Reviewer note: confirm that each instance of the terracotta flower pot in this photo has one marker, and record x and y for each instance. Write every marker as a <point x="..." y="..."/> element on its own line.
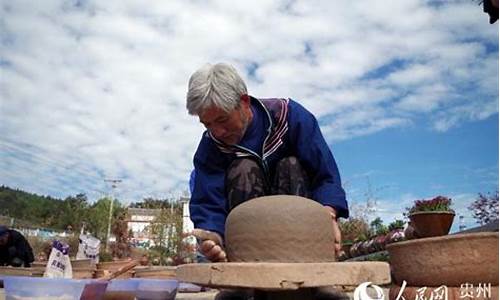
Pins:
<point x="432" y="223"/>
<point x="446" y="260"/>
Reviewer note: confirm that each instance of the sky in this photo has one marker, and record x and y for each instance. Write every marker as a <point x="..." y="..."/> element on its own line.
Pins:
<point x="406" y="92"/>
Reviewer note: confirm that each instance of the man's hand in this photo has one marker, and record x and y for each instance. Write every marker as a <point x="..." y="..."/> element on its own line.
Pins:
<point x="336" y="230"/>
<point x="211" y="245"/>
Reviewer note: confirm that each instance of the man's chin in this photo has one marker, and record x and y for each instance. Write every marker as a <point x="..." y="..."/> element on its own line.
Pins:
<point x="230" y="141"/>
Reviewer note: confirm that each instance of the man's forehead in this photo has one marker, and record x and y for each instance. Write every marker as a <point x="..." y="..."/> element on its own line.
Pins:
<point x="212" y="113"/>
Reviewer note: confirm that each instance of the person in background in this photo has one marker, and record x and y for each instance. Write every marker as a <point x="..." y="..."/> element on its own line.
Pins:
<point x="14" y="249"/>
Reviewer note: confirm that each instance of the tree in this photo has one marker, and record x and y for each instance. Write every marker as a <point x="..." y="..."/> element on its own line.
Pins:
<point x="121" y="248"/>
<point x="353" y="228"/>
<point x="99" y="214"/>
<point x="377" y="227"/>
<point x="485" y="208"/>
<point x="152" y="203"/>
<point x="397" y="224"/>
<point x="166" y="232"/>
<point x="74" y="210"/>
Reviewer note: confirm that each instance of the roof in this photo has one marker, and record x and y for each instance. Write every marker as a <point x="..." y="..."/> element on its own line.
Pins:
<point x="143" y="211"/>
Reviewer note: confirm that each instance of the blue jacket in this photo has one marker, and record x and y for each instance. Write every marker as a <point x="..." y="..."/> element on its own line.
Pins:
<point x="279" y="128"/>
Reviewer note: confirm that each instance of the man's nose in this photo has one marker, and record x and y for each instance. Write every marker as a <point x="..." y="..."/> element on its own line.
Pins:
<point x="218" y="131"/>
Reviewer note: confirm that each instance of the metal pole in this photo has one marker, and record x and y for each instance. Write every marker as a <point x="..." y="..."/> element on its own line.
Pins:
<point x="108" y="232"/>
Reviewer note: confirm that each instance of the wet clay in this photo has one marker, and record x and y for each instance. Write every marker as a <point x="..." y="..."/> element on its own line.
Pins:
<point x="279" y="229"/>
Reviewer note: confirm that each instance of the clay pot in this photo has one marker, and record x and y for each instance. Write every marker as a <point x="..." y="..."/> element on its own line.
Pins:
<point x="454" y="293"/>
<point x="280" y="229"/>
<point x="447" y="260"/>
<point x="431" y="223"/>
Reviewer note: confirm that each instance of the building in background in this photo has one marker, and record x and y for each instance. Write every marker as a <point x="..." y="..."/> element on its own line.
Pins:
<point x="187" y="224"/>
<point x="137" y="224"/>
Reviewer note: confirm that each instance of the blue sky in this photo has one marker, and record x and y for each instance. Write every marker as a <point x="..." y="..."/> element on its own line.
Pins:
<point x="415" y="163"/>
<point x="406" y="92"/>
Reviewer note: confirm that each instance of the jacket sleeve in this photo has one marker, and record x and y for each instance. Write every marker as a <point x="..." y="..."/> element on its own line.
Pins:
<point x="208" y="205"/>
<point x="316" y="158"/>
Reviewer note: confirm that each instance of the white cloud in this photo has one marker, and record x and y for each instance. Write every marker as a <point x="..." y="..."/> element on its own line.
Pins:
<point x="414" y="75"/>
<point x="98" y="87"/>
<point x="476" y="110"/>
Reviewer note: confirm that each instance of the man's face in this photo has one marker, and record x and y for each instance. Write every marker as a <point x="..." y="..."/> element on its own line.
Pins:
<point x="228" y="127"/>
<point x="4" y="238"/>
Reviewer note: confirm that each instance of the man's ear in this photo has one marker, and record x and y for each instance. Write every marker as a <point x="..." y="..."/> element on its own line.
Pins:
<point x="245" y="100"/>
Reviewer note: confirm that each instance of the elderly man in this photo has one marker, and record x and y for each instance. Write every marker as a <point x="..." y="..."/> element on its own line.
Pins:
<point x="14" y="249"/>
<point x="253" y="147"/>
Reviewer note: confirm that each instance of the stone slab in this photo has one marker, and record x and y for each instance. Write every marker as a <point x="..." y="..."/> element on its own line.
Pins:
<point x="284" y="276"/>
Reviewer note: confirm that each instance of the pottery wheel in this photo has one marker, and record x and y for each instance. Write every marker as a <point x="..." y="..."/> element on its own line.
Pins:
<point x="281" y="244"/>
<point x="284" y="276"/>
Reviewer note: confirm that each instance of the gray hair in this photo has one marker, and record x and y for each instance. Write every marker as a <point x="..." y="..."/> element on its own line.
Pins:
<point x="214" y="85"/>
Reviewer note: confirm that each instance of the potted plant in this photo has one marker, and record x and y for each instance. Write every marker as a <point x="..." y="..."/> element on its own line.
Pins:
<point x="432" y="217"/>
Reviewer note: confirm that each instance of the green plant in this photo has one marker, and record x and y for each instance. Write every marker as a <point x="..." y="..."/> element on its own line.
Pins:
<point x="377" y="227"/>
<point x="439" y="203"/>
<point x="353" y="228"/>
<point x="105" y="256"/>
<point x="397" y="224"/>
